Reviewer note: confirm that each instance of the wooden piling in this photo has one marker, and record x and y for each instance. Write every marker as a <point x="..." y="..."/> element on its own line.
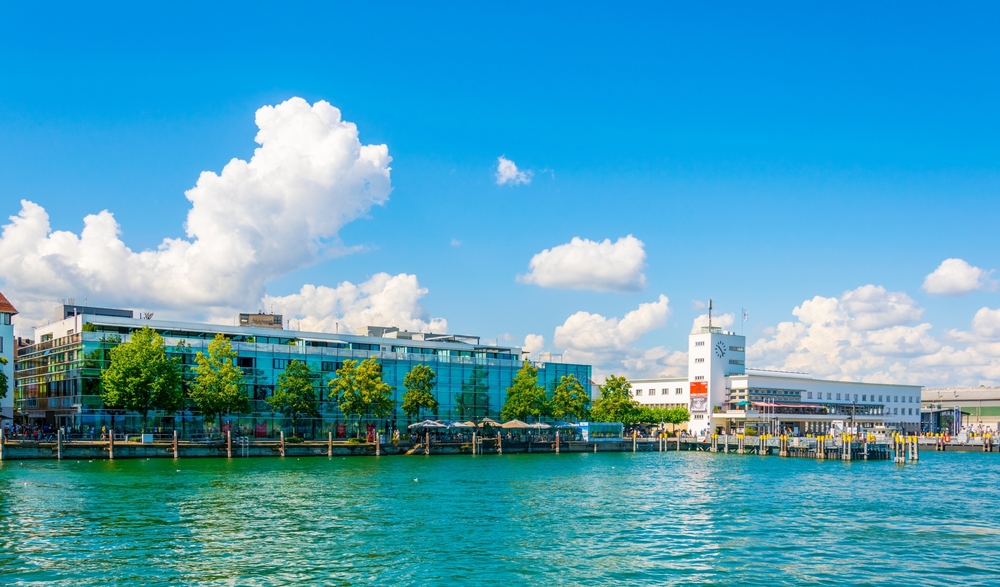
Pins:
<point x="281" y="442"/>
<point x="499" y="444"/>
<point x="378" y="444"/>
<point x="111" y="444"/>
<point x="329" y="443"/>
<point x="229" y="444"/>
<point x="633" y="440"/>
<point x="427" y="442"/>
<point x="3" y="440"/>
<point x="557" y="442"/>
<point x="59" y="441"/>
<point x="175" y="444"/>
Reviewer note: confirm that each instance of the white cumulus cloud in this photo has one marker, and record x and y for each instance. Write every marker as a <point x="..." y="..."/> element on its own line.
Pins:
<point x="383" y="300"/>
<point x="587" y="264"/>
<point x="607" y="343"/>
<point x="509" y="174"/>
<point x="955" y="277"/>
<point x="256" y="220"/>
<point x="533" y="344"/>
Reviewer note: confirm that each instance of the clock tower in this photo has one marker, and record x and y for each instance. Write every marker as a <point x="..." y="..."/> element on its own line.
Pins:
<point x="713" y="354"/>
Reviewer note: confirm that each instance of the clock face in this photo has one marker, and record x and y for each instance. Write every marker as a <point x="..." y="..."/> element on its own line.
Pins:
<point x="720" y="349"/>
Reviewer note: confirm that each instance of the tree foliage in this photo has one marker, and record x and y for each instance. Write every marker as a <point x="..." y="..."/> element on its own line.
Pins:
<point x="570" y="400"/>
<point x="524" y="396"/>
<point x="616" y="403"/>
<point x="419" y="383"/>
<point x="141" y="378"/>
<point x="294" y="395"/>
<point x="3" y="378"/>
<point x="218" y="383"/>
<point x="360" y="391"/>
<point x="649" y="415"/>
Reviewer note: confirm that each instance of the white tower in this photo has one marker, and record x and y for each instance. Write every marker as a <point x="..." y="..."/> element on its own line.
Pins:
<point x="7" y="313"/>
<point x="713" y="354"/>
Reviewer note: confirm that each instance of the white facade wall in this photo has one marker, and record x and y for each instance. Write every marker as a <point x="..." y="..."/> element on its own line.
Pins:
<point x="666" y="392"/>
<point x="7" y="351"/>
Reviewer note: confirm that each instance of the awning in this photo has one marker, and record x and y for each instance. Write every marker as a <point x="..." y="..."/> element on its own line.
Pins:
<point x="515" y="424"/>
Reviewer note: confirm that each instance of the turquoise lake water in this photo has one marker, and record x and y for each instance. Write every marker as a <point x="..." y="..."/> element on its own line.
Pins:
<point x="571" y="519"/>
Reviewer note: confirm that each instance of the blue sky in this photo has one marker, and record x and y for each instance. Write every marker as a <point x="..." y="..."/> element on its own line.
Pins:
<point x="763" y="154"/>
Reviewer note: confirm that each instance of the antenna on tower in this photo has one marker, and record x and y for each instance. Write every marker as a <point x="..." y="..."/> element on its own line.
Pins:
<point x="710" y="315"/>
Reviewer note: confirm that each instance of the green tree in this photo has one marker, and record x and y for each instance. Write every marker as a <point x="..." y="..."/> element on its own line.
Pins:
<point x="524" y="396"/>
<point x="419" y="383"/>
<point x="678" y="415"/>
<point x="218" y="383"/>
<point x="570" y="400"/>
<point x="359" y="390"/>
<point x="141" y="378"/>
<point x="3" y="378"/>
<point x="294" y="395"/>
<point x="616" y="403"/>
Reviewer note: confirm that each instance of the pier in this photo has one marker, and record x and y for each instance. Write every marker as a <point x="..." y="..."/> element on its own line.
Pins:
<point x="899" y="448"/>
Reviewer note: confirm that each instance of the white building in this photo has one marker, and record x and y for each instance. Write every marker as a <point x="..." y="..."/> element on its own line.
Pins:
<point x="7" y="313"/>
<point x="722" y="394"/>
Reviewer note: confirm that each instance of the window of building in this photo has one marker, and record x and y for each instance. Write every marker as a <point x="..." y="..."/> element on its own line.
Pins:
<point x="281" y="363"/>
<point x="1" y="344"/>
<point x="700" y="360"/>
<point x="699" y="417"/>
<point x="738" y="349"/>
<point x="810" y="395"/>
<point x="895" y="411"/>
<point x="911" y="411"/>
<point x="244" y="362"/>
<point x="664" y="391"/>
<point x="838" y="397"/>
<point x="864" y="398"/>
<point x="699" y="377"/>
<point x="652" y="392"/>
<point x="829" y="395"/>
<point x="679" y="391"/>
<point x="735" y="361"/>
<point x="699" y="343"/>
<point x="897" y="399"/>
<point x="331" y="366"/>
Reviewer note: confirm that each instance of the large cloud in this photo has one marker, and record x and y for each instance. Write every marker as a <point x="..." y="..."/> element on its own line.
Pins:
<point x="607" y="343"/>
<point x="383" y="300"/>
<point x="257" y="220"/>
<point x="955" y="277"/>
<point x="587" y="264"/>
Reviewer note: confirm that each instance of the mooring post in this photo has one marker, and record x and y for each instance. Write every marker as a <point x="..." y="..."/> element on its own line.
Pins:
<point x="229" y="444"/>
<point x="111" y="444"/>
<point x="820" y="447"/>
<point x="329" y="443"/>
<point x="499" y="444"/>
<point x="633" y="440"/>
<point x="427" y="442"/>
<point x="3" y="440"/>
<point x="175" y="444"/>
<point x="557" y="442"/>
<point x="281" y="442"/>
<point x="59" y="444"/>
<point x="378" y="444"/>
<point x="916" y="448"/>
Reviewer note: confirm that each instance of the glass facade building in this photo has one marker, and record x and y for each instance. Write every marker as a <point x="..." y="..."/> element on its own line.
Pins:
<point x="58" y="377"/>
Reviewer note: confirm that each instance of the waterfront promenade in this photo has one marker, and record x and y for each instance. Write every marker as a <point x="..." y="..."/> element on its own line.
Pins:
<point x="899" y="448"/>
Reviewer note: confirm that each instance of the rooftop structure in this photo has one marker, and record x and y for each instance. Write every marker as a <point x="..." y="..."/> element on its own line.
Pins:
<point x="262" y="320"/>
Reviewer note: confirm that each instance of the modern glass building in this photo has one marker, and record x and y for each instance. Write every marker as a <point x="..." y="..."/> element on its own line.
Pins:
<point x="58" y="374"/>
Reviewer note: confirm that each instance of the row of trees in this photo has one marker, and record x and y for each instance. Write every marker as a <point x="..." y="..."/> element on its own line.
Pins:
<point x="141" y="378"/>
<point x="570" y="401"/>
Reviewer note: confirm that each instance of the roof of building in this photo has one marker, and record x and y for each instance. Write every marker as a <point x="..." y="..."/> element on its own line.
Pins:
<point x="6" y="306"/>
